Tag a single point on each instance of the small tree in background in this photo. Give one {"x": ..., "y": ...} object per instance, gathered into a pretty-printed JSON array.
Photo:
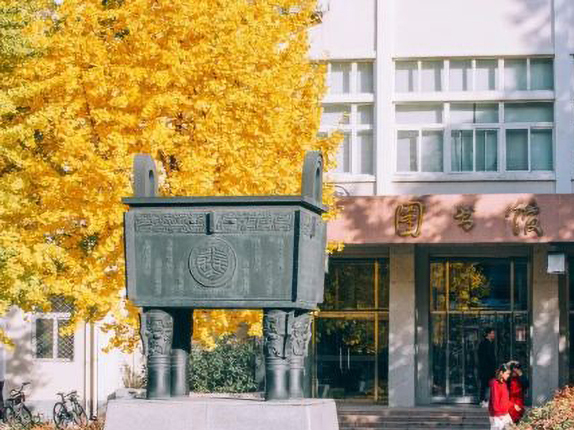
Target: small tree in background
[{"x": 220, "y": 92}]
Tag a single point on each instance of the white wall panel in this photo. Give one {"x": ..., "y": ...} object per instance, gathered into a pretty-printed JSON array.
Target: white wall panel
[
  {"x": 347, "y": 30},
  {"x": 47, "y": 377},
  {"x": 472, "y": 27}
]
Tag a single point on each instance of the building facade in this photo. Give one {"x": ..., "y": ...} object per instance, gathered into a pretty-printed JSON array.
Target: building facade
[
  {"x": 53, "y": 362},
  {"x": 456, "y": 181},
  {"x": 455, "y": 177}
]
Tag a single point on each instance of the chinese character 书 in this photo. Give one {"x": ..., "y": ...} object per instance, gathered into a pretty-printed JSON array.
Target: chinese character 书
[{"x": 464, "y": 217}]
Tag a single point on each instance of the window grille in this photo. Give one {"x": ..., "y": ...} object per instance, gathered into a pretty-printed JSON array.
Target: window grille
[{"x": 50, "y": 342}]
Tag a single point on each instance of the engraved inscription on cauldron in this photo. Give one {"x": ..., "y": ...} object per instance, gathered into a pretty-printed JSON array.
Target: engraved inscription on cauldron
[
  {"x": 252, "y": 222},
  {"x": 212, "y": 262},
  {"x": 171, "y": 223}
]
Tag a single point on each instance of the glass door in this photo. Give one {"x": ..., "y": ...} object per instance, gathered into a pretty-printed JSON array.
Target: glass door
[
  {"x": 571, "y": 319},
  {"x": 467, "y": 297},
  {"x": 350, "y": 338}
]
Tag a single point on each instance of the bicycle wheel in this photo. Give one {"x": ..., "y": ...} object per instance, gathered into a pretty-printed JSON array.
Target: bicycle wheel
[
  {"x": 61, "y": 417},
  {"x": 10, "y": 416},
  {"x": 25, "y": 416},
  {"x": 80, "y": 417}
]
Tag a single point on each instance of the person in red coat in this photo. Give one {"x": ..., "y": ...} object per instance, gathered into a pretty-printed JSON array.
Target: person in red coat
[
  {"x": 499, "y": 402},
  {"x": 517, "y": 386}
]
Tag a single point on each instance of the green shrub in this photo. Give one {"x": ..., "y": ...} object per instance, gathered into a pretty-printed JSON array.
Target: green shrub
[
  {"x": 557, "y": 414},
  {"x": 228, "y": 368}
]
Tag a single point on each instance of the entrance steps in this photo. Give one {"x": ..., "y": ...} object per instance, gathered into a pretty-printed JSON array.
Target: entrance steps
[{"x": 376, "y": 417}]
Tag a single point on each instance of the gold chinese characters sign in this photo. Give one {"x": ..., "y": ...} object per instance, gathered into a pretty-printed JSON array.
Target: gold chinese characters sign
[
  {"x": 464, "y": 217},
  {"x": 409, "y": 219},
  {"x": 525, "y": 218}
]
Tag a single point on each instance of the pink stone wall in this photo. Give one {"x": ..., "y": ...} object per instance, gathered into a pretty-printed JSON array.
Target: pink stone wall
[{"x": 369, "y": 220}]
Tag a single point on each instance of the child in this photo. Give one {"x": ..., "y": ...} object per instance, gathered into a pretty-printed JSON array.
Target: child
[
  {"x": 517, "y": 386},
  {"x": 499, "y": 402}
]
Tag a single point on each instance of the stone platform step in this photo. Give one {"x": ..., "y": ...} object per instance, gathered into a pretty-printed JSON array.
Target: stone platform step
[{"x": 375, "y": 417}]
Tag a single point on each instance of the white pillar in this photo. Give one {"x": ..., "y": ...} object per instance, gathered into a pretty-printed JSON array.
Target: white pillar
[
  {"x": 545, "y": 329},
  {"x": 563, "y": 108},
  {"x": 402, "y": 365},
  {"x": 384, "y": 79}
]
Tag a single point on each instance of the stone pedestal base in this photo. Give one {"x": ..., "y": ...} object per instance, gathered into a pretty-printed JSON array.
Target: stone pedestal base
[{"x": 221, "y": 414}]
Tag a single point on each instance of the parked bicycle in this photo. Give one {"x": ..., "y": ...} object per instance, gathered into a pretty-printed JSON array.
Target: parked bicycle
[
  {"x": 69, "y": 412},
  {"x": 16, "y": 413}
]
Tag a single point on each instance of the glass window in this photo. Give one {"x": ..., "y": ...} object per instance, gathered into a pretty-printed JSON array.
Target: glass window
[
  {"x": 485, "y": 75},
  {"x": 468, "y": 113},
  {"x": 365, "y": 139},
  {"x": 384, "y": 284},
  {"x": 520, "y": 285},
  {"x": 50, "y": 342},
  {"x": 365, "y": 114},
  {"x": 44, "y": 338},
  {"x": 461, "y": 151},
  {"x": 486, "y": 151},
  {"x": 65, "y": 342},
  {"x": 344, "y": 156},
  {"x": 541, "y": 149},
  {"x": 431, "y": 75},
  {"x": 572, "y": 346},
  {"x": 345, "y": 348},
  {"x": 61, "y": 304},
  {"x": 406, "y": 75},
  {"x": 541, "y": 74},
  {"x": 484, "y": 284},
  {"x": 485, "y": 113},
  {"x": 419, "y": 114},
  {"x": 462, "y": 113},
  {"x": 350, "y": 284},
  {"x": 460, "y": 78},
  {"x": 516, "y": 149},
  {"x": 515, "y": 76},
  {"x": 571, "y": 299},
  {"x": 529, "y": 112},
  {"x": 354, "y": 117},
  {"x": 365, "y": 77},
  {"x": 407, "y": 155},
  {"x": 335, "y": 115},
  {"x": 431, "y": 151},
  {"x": 340, "y": 78},
  {"x": 438, "y": 286}
]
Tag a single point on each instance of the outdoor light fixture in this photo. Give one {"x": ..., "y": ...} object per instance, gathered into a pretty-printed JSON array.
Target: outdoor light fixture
[{"x": 556, "y": 264}]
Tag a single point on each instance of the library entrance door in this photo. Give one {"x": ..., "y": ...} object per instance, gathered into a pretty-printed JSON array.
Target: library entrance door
[{"x": 469, "y": 295}]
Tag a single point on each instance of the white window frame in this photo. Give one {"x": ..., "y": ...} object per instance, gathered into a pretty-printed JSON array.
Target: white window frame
[
  {"x": 449, "y": 175},
  {"x": 474, "y": 128},
  {"x": 419, "y": 129},
  {"x": 55, "y": 317},
  {"x": 500, "y": 72},
  {"x": 354, "y": 99},
  {"x": 529, "y": 127}
]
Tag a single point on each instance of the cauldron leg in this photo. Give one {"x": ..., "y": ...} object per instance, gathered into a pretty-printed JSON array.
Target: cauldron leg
[
  {"x": 157, "y": 334},
  {"x": 298, "y": 346},
  {"x": 181, "y": 348},
  {"x": 276, "y": 362}
]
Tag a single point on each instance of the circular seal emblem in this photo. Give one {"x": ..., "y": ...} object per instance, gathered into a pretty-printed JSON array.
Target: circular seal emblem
[{"x": 212, "y": 262}]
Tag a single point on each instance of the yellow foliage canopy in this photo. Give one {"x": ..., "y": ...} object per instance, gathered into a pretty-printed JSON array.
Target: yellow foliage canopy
[{"x": 220, "y": 92}]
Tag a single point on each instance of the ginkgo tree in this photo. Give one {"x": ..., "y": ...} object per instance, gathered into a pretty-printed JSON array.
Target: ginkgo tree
[{"x": 221, "y": 93}]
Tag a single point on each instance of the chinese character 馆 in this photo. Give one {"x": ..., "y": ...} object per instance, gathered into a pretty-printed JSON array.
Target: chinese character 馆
[{"x": 525, "y": 218}]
